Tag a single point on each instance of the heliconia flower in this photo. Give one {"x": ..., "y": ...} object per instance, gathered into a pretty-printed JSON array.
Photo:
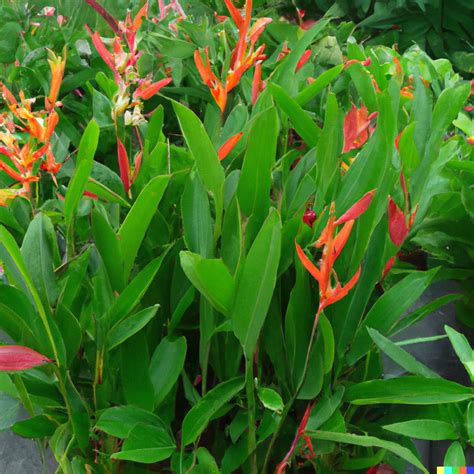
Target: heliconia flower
[
  {"x": 469, "y": 108},
  {"x": 309, "y": 217},
  {"x": 124, "y": 165},
  {"x": 243, "y": 56},
  {"x": 388, "y": 266},
  {"x": 300, "y": 433},
  {"x": 210, "y": 79},
  {"x": 356, "y": 124},
  {"x": 470, "y": 140},
  {"x": 332, "y": 246},
  {"x": 57, "y": 65},
  {"x": 48, "y": 11},
  {"x": 406, "y": 92},
  {"x": 397, "y": 222},
  {"x": 113, "y": 23},
  {"x": 147, "y": 89},
  {"x": 104, "y": 53},
  {"x": 228, "y": 145},
  {"x": 7, "y": 195},
  {"x": 303, "y": 59},
  {"x": 257, "y": 85},
  {"x": 366, "y": 62},
  {"x": 61, "y": 19},
  {"x": 381, "y": 469},
  {"x": 14, "y": 358}
]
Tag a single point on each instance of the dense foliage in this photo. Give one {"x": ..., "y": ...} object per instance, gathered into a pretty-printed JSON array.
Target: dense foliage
[{"x": 212, "y": 228}]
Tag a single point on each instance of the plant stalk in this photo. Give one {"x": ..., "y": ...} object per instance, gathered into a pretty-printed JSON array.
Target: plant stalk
[
  {"x": 292, "y": 400},
  {"x": 252, "y": 438}
]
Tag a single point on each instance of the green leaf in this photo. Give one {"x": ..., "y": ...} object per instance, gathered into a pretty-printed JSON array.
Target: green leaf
[
  {"x": 388, "y": 309},
  {"x": 109, "y": 248},
  {"x": 135, "y": 225},
  {"x": 270, "y": 399},
  {"x": 134, "y": 362},
  {"x": 462, "y": 348},
  {"x": 200, "y": 414},
  {"x": 364, "y": 85},
  {"x": 208, "y": 165},
  {"x": 134, "y": 292},
  {"x": 410, "y": 390},
  {"x": 130, "y": 326},
  {"x": 329, "y": 146},
  {"x": 103, "y": 192},
  {"x": 212, "y": 278},
  {"x": 166, "y": 366},
  {"x": 38, "y": 426},
  {"x": 255, "y": 284},
  {"x": 285, "y": 71},
  {"x": 408, "y": 152},
  {"x": 41, "y": 256},
  {"x": 15, "y": 267},
  {"x": 146, "y": 444},
  {"x": 196, "y": 214},
  {"x": 400, "y": 356},
  {"x": 255, "y": 180},
  {"x": 206, "y": 463},
  {"x": 433, "y": 430},
  {"x": 309, "y": 92},
  {"x": 119, "y": 421},
  {"x": 369, "y": 442},
  {"x": 455, "y": 455},
  {"x": 231, "y": 242},
  {"x": 470, "y": 422},
  {"x": 78, "y": 183},
  {"x": 301, "y": 121},
  {"x": 10, "y": 408}
]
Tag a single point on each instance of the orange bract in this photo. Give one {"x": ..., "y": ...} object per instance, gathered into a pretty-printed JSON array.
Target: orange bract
[
  {"x": 243, "y": 57},
  {"x": 332, "y": 244}
]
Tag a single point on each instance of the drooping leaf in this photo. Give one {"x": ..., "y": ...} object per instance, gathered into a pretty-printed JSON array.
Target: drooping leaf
[
  {"x": 434, "y": 430},
  {"x": 211, "y": 278},
  {"x": 200, "y": 414},
  {"x": 166, "y": 366}
]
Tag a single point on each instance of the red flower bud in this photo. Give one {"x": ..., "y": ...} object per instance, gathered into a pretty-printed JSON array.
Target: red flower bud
[{"x": 309, "y": 217}]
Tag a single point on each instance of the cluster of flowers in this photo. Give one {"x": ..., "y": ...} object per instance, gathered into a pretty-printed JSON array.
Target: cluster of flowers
[{"x": 25, "y": 135}]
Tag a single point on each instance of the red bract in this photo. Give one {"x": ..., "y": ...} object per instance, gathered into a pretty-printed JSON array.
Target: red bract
[
  {"x": 229, "y": 144},
  {"x": 299, "y": 433},
  {"x": 13, "y": 358},
  {"x": 397, "y": 222},
  {"x": 356, "y": 124},
  {"x": 332, "y": 244},
  {"x": 124, "y": 165},
  {"x": 309, "y": 217},
  {"x": 303, "y": 60}
]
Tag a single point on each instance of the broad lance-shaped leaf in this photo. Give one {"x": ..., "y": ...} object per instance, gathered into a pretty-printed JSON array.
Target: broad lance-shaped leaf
[
  {"x": 255, "y": 284},
  {"x": 255, "y": 180},
  {"x": 13, "y": 358},
  {"x": 299, "y": 118},
  {"x": 146, "y": 444},
  {"x": 78, "y": 183},
  {"x": 407, "y": 390},
  {"x": 433, "y": 430},
  {"x": 369, "y": 442},
  {"x": 135, "y": 225},
  {"x": 207, "y": 162},
  {"x": 212, "y": 278},
  {"x": 462, "y": 348},
  {"x": 200, "y": 414},
  {"x": 166, "y": 366},
  {"x": 318, "y": 84},
  {"x": 388, "y": 309},
  {"x": 400, "y": 356}
]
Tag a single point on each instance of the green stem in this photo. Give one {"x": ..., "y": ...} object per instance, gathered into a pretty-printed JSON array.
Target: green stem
[
  {"x": 252, "y": 439},
  {"x": 292, "y": 400}
]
